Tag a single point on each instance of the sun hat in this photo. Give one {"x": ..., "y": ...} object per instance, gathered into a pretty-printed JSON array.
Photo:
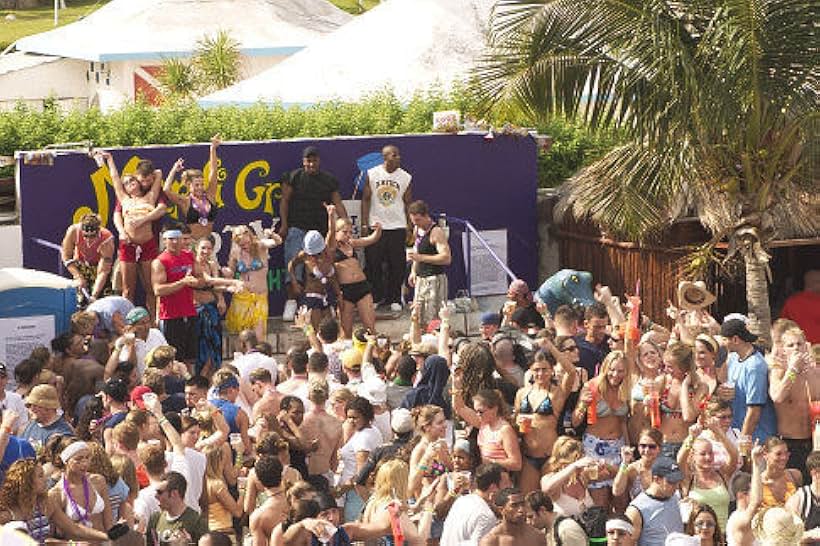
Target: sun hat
[
  {"x": 314, "y": 243},
  {"x": 44, "y": 396},
  {"x": 777, "y": 526},
  {"x": 694, "y": 295},
  {"x": 351, "y": 359}
]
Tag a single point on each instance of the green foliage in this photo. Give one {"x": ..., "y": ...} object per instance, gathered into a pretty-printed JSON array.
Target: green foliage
[
  {"x": 178, "y": 78},
  {"x": 180, "y": 121},
  {"x": 217, "y": 59}
]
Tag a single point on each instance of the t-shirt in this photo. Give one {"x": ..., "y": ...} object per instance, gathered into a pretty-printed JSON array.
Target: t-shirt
[
  {"x": 469, "y": 519},
  {"x": 804, "y": 309},
  {"x": 387, "y": 203},
  {"x": 155, "y": 339},
  {"x": 192, "y": 466},
  {"x": 569, "y": 532},
  {"x": 162, "y": 528},
  {"x": 249, "y": 362},
  {"x": 14, "y": 401},
  {"x": 106, "y": 308},
  {"x": 146, "y": 504},
  {"x": 751, "y": 379},
  {"x": 591, "y": 355},
  {"x": 34, "y": 432},
  {"x": 306, "y": 208},
  {"x": 16, "y": 449},
  {"x": 366, "y": 439}
]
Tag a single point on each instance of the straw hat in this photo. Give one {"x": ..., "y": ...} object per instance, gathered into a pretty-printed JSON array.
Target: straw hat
[
  {"x": 44, "y": 396},
  {"x": 777, "y": 527},
  {"x": 694, "y": 295}
]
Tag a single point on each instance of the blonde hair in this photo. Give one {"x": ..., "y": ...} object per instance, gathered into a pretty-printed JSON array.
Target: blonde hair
[
  {"x": 189, "y": 174},
  {"x": 391, "y": 481},
  {"x": 603, "y": 384},
  {"x": 565, "y": 451},
  {"x": 237, "y": 232},
  {"x": 82, "y": 320},
  {"x": 213, "y": 457},
  {"x": 342, "y": 223},
  {"x": 124, "y": 466},
  {"x": 423, "y": 416},
  {"x": 795, "y": 332},
  {"x": 101, "y": 464}
]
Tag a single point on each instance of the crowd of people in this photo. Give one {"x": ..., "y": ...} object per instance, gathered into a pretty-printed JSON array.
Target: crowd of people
[{"x": 582, "y": 426}]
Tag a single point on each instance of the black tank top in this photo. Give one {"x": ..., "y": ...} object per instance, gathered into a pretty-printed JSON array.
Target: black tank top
[{"x": 428, "y": 248}]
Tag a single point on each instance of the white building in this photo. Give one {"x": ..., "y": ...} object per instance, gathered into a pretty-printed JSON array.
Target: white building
[
  {"x": 406, "y": 45},
  {"x": 114, "y": 53}
]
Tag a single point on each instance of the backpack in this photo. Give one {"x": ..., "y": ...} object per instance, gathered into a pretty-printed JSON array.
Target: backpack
[{"x": 592, "y": 521}]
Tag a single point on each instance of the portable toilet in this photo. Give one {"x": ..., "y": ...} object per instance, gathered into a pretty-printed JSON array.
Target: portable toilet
[{"x": 34, "y": 307}]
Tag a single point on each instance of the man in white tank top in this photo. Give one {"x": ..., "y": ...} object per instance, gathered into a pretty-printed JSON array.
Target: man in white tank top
[{"x": 384, "y": 200}]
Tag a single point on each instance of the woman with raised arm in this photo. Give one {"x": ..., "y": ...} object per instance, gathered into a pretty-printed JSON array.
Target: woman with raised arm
[
  {"x": 210, "y": 306},
  {"x": 88, "y": 253},
  {"x": 248, "y": 260},
  {"x": 646, "y": 380},
  {"x": 567, "y": 475},
  {"x": 356, "y": 291},
  {"x": 497, "y": 439},
  {"x": 320, "y": 286},
  {"x": 430, "y": 457},
  {"x": 682, "y": 399},
  {"x": 538, "y": 406},
  {"x": 197, "y": 207},
  {"x": 634, "y": 477}
]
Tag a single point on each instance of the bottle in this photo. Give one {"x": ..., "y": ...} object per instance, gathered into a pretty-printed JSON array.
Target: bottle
[{"x": 592, "y": 410}]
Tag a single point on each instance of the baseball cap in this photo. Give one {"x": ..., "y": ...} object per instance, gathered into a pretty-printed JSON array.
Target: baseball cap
[
  {"x": 488, "y": 318},
  {"x": 314, "y": 242},
  {"x": 666, "y": 468},
  {"x": 736, "y": 327},
  {"x": 3, "y": 371},
  {"x": 401, "y": 420},
  {"x": 310, "y": 151},
  {"x": 136, "y": 395}
]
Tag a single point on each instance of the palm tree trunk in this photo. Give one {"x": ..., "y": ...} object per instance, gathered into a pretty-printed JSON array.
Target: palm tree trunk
[{"x": 757, "y": 299}]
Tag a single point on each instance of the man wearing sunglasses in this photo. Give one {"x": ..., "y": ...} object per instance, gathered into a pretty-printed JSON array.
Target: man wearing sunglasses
[{"x": 88, "y": 250}]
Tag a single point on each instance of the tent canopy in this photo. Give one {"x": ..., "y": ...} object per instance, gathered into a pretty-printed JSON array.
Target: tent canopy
[
  {"x": 155, "y": 29},
  {"x": 404, "y": 45}
]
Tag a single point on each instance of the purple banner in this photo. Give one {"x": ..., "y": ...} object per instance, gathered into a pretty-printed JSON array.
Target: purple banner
[{"x": 490, "y": 182}]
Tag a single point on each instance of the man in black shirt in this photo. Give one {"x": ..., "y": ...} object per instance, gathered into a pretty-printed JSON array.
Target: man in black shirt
[
  {"x": 594, "y": 344},
  {"x": 305, "y": 192}
]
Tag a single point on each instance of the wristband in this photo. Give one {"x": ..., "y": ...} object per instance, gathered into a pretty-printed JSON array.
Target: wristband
[
  {"x": 623, "y": 468},
  {"x": 791, "y": 374},
  {"x": 163, "y": 421},
  {"x": 308, "y": 330}
]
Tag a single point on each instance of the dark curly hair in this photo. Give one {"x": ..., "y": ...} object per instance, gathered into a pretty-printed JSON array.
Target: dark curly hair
[
  {"x": 478, "y": 363},
  {"x": 363, "y": 406}
]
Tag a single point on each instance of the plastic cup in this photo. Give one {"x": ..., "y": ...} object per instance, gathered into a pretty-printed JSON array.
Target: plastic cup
[
  {"x": 149, "y": 398},
  {"x": 524, "y": 424},
  {"x": 592, "y": 472},
  {"x": 744, "y": 444},
  {"x": 234, "y": 438},
  {"x": 241, "y": 484}
]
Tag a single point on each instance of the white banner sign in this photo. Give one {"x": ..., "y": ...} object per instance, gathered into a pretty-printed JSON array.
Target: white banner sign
[
  {"x": 19, "y": 335},
  {"x": 486, "y": 275}
]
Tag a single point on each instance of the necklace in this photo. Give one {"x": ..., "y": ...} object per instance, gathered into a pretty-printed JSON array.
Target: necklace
[{"x": 83, "y": 517}]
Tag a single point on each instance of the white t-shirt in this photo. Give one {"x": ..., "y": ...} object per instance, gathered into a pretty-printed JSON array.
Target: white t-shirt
[
  {"x": 192, "y": 466},
  {"x": 382, "y": 423},
  {"x": 469, "y": 519},
  {"x": 362, "y": 440},
  {"x": 387, "y": 203},
  {"x": 251, "y": 361},
  {"x": 155, "y": 339},
  {"x": 14, "y": 401},
  {"x": 146, "y": 504}
]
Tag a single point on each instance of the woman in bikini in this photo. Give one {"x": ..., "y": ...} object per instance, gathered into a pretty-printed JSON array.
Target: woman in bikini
[
  {"x": 83, "y": 497},
  {"x": 320, "y": 286},
  {"x": 606, "y": 395},
  {"x": 567, "y": 476},
  {"x": 634, "y": 477},
  {"x": 24, "y": 497},
  {"x": 138, "y": 243},
  {"x": 646, "y": 380},
  {"x": 248, "y": 260},
  {"x": 538, "y": 406},
  {"x": 779, "y": 482},
  {"x": 683, "y": 397},
  {"x": 197, "y": 207},
  {"x": 355, "y": 287},
  {"x": 210, "y": 305},
  {"x": 497, "y": 439}
]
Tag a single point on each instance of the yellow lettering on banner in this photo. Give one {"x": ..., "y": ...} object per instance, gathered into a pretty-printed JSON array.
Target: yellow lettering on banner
[
  {"x": 260, "y": 193},
  {"x": 99, "y": 180},
  {"x": 221, "y": 175}
]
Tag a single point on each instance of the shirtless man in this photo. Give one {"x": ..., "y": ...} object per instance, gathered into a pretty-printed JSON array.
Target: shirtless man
[
  {"x": 275, "y": 508},
  {"x": 513, "y": 527},
  {"x": 794, "y": 382},
  {"x": 138, "y": 243},
  {"x": 81, "y": 372},
  {"x": 322, "y": 428},
  {"x": 268, "y": 398}
]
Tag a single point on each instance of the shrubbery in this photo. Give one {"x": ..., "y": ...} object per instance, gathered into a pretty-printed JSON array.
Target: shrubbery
[{"x": 174, "y": 123}]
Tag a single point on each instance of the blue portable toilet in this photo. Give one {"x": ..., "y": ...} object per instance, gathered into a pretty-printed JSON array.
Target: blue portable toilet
[{"x": 33, "y": 306}]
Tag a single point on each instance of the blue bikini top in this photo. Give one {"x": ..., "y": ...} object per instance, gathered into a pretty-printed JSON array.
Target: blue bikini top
[
  {"x": 544, "y": 408},
  {"x": 242, "y": 267}
]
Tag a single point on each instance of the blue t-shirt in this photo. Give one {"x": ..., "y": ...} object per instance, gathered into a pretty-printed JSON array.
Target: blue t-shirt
[
  {"x": 37, "y": 433},
  {"x": 751, "y": 379},
  {"x": 16, "y": 449},
  {"x": 591, "y": 355}
]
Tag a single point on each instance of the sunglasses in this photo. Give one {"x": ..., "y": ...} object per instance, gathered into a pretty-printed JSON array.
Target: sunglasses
[
  {"x": 570, "y": 348},
  {"x": 648, "y": 446}
]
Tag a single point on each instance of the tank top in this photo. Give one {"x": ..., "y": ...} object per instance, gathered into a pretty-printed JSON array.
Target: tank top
[
  {"x": 88, "y": 250},
  {"x": 219, "y": 518},
  {"x": 387, "y": 203},
  {"x": 181, "y": 303},
  {"x": 229, "y": 411},
  {"x": 659, "y": 517},
  {"x": 769, "y": 500},
  {"x": 490, "y": 444},
  {"x": 716, "y": 497},
  {"x": 426, "y": 247}
]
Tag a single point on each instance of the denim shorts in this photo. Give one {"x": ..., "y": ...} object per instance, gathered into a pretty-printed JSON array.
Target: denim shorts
[{"x": 294, "y": 242}]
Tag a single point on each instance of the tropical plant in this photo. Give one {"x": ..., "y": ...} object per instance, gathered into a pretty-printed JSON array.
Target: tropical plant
[
  {"x": 177, "y": 78},
  {"x": 717, "y": 99},
  {"x": 217, "y": 60}
]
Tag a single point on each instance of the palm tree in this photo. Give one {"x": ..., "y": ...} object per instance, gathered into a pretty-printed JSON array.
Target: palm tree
[{"x": 717, "y": 99}]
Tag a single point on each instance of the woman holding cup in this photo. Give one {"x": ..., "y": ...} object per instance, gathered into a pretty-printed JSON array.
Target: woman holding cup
[
  {"x": 497, "y": 440},
  {"x": 633, "y": 477},
  {"x": 568, "y": 473},
  {"x": 430, "y": 458},
  {"x": 646, "y": 381},
  {"x": 604, "y": 405},
  {"x": 455, "y": 483},
  {"x": 538, "y": 407}
]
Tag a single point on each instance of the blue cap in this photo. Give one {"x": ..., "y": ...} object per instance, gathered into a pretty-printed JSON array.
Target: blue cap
[
  {"x": 314, "y": 242},
  {"x": 489, "y": 318},
  {"x": 227, "y": 383},
  {"x": 665, "y": 467}
]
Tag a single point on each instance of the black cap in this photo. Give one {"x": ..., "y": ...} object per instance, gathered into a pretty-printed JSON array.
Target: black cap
[
  {"x": 736, "y": 327},
  {"x": 116, "y": 389},
  {"x": 310, "y": 151},
  {"x": 3, "y": 371},
  {"x": 666, "y": 468}
]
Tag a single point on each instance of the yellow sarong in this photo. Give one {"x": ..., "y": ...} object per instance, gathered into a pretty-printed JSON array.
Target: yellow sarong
[{"x": 246, "y": 310}]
